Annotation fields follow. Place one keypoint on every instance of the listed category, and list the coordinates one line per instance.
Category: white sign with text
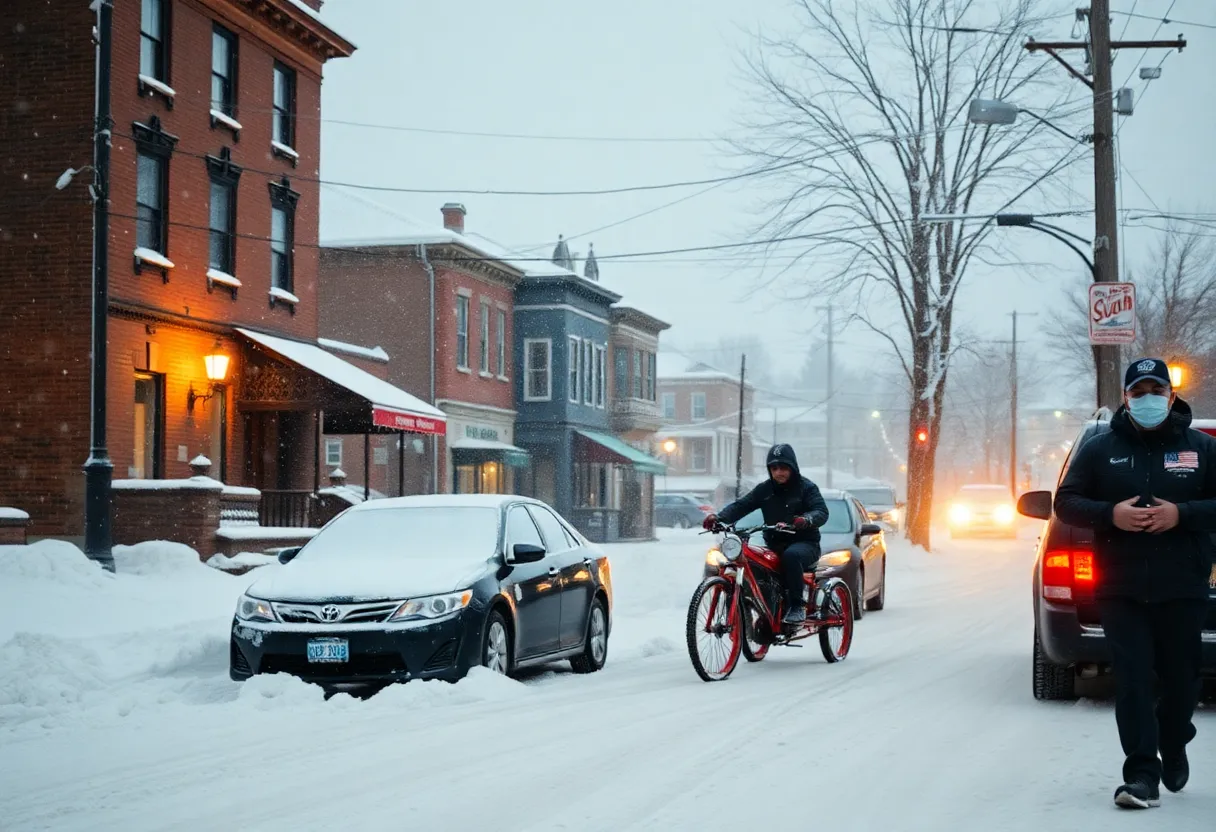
(1112, 313)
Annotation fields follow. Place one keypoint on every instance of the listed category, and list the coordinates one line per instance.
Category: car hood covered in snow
(368, 578)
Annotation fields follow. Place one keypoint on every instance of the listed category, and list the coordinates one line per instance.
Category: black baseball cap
(1152, 368)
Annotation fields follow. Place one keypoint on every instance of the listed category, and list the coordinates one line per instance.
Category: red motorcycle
(740, 610)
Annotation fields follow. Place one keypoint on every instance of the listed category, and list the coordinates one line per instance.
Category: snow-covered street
(929, 723)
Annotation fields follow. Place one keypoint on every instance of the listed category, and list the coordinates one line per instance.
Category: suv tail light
(1067, 574)
(707, 509)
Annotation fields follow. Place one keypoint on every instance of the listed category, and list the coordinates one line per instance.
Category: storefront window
(481, 478)
(593, 485)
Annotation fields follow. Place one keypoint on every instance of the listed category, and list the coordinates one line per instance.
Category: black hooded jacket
(782, 503)
(1174, 463)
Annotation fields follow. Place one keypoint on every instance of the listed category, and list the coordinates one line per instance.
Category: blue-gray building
(562, 355)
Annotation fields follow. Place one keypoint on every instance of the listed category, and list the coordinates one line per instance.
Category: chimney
(453, 217)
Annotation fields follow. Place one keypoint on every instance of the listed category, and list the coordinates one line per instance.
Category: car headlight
(255, 609)
(433, 606)
(715, 558)
(838, 558)
(1004, 515)
(893, 515)
(960, 514)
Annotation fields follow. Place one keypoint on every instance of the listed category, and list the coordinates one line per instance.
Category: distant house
(699, 406)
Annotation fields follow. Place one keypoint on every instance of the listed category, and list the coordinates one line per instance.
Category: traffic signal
(922, 435)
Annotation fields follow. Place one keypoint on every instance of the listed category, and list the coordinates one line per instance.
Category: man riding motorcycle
(786, 499)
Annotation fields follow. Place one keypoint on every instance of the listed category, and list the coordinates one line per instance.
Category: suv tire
(1051, 681)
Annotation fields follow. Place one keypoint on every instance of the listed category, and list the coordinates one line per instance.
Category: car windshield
(840, 521)
(874, 496)
(412, 533)
(984, 494)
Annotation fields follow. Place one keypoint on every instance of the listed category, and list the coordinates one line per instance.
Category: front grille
(338, 613)
(237, 659)
(443, 657)
(360, 664)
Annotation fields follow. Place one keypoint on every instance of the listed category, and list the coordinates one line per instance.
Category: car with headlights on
(881, 504)
(983, 510)
(853, 549)
(427, 587)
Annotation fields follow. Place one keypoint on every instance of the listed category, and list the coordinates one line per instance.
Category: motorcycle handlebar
(719, 528)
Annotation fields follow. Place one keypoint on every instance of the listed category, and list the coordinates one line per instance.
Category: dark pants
(1156, 650)
(796, 559)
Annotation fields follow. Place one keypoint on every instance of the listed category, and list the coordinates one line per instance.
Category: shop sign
(481, 432)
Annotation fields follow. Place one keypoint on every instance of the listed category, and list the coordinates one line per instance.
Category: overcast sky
(670, 70)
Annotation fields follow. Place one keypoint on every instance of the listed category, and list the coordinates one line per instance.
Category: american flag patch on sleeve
(1182, 459)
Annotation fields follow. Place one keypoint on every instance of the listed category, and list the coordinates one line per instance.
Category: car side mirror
(286, 555)
(1036, 504)
(870, 529)
(527, 553)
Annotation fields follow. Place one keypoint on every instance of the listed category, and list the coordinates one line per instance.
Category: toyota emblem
(329, 612)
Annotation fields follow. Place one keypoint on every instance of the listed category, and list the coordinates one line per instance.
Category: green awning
(625, 453)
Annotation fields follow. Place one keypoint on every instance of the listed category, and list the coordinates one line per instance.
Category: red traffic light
(922, 435)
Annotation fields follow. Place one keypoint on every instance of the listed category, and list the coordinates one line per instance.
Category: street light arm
(1044, 121)
(1048, 231)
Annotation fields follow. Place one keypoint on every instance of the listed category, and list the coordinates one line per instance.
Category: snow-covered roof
(381, 395)
(316, 15)
(376, 353)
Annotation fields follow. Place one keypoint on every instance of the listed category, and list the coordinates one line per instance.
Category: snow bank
(51, 562)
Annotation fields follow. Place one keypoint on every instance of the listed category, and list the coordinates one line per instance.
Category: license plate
(332, 650)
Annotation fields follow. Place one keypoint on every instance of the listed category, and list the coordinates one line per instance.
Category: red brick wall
(188, 516)
(46, 62)
(471, 386)
(189, 183)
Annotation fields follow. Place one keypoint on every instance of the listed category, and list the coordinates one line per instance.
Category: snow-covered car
(428, 587)
(852, 549)
(1069, 642)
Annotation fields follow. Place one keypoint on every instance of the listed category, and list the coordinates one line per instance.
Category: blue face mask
(1149, 410)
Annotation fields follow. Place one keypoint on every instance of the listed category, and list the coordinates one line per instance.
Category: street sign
(1112, 313)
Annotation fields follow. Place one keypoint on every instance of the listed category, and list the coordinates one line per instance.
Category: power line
(1162, 20)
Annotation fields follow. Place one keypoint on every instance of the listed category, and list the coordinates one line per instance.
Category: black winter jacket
(782, 503)
(1174, 463)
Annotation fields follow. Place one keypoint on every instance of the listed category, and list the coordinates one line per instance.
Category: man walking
(1147, 487)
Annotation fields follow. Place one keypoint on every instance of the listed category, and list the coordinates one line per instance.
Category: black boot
(796, 615)
(1175, 770)
(1137, 796)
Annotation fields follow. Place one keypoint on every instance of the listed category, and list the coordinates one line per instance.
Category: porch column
(367, 466)
(316, 452)
(401, 464)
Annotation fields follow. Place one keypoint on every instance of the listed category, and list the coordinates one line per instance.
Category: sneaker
(1175, 770)
(795, 616)
(1137, 796)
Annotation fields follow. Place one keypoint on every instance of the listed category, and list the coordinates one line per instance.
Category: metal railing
(293, 508)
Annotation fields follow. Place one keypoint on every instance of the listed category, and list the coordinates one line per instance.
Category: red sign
(1112, 313)
(409, 422)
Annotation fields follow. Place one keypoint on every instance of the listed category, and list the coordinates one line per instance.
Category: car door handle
(554, 571)
(588, 562)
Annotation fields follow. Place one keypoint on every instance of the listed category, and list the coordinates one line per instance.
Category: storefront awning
(625, 454)
(390, 407)
(486, 450)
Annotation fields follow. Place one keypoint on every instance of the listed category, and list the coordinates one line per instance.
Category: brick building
(388, 292)
(699, 407)
(213, 253)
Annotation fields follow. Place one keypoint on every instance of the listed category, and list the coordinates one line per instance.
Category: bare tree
(862, 127)
(1176, 315)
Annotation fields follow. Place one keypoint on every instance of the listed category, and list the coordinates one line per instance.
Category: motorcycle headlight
(254, 609)
(433, 606)
(715, 558)
(838, 558)
(731, 548)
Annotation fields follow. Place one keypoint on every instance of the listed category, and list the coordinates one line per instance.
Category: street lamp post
(98, 469)
(993, 113)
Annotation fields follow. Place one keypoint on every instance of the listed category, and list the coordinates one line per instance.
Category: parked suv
(1068, 638)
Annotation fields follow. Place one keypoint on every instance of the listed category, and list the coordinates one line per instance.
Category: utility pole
(98, 469)
(739, 449)
(1013, 404)
(828, 404)
(1106, 223)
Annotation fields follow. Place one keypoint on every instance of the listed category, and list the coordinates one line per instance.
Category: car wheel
(595, 646)
(682, 522)
(880, 600)
(1051, 681)
(496, 645)
(859, 595)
